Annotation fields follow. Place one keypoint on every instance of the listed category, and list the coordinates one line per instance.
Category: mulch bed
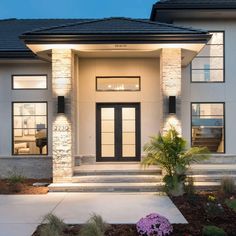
(23, 188)
(194, 211)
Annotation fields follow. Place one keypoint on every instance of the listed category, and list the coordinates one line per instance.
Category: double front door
(118, 132)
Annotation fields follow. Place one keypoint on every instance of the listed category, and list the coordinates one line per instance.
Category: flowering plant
(154, 225)
(213, 208)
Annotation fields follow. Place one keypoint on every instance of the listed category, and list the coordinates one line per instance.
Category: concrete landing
(20, 214)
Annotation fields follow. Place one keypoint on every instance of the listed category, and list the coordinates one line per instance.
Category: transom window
(30, 128)
(29, 81)
(118, 83)
(208, 126)
(208, 66)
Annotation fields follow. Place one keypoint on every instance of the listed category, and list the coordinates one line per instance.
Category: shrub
(95, 226)
(154, 224)
(15, 178)
(53, 226)
(213, 208)
(171, 153)
(227, 185)
(213, 231)
(231, 203)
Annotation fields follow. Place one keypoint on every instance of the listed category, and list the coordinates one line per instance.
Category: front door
(118, 132)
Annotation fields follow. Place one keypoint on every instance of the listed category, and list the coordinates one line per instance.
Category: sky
(75, 8)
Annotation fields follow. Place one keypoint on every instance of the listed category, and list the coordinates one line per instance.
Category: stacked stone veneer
(170, 86)
(62, 85)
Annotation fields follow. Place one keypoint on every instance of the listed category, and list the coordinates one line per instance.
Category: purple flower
(154, 225)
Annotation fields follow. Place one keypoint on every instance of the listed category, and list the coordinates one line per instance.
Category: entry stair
(127, 177)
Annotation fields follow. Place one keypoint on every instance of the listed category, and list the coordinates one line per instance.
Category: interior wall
(148, 97)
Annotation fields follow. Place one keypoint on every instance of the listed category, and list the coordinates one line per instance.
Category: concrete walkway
(20, 214)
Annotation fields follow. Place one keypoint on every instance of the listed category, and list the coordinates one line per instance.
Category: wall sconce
(60, 104)
(172, 104)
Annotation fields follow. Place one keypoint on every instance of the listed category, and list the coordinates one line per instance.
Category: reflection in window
(29, 81)
(208, 66)
(118, 83)
(29, 128)
(208, 126)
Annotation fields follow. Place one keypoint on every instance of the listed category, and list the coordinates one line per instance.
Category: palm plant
(169, 151)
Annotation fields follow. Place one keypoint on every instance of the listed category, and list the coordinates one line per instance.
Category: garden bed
(194, 210)
(26, 187)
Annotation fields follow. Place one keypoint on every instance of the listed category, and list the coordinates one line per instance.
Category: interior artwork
(29, 128)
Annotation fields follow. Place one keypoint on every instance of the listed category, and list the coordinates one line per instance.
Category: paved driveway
(20, 214)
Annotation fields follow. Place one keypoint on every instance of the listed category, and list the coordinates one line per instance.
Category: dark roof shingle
(195, 4)
(115, 25)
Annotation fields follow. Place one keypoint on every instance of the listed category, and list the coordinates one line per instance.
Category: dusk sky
(75, 8)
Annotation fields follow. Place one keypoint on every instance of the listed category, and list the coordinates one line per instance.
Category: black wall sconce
(60, 104)
(172, 104)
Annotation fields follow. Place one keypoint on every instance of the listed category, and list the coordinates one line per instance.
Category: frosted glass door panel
(128, 132)
(108, 132)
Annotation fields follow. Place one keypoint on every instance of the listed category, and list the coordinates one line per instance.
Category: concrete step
(81, 172)
(210, 177)
(117, 178)
(105, 187)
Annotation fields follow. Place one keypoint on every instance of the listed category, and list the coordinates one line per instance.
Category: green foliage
(15, 178)
(169, 151)
(213, 208)
(189, 187)
(213, 231)
(95, 226)
(53, 226)
(227, 185)
(231, 203)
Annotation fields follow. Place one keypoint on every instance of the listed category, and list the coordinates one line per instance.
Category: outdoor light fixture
(172, 104)
(60, 104)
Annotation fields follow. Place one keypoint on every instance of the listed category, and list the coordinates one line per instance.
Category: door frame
(118, 133)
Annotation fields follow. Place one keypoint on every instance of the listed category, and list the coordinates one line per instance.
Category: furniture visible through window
(29, 128)
(118, 83)
(208, 126)
(29, 81)
(208, 66)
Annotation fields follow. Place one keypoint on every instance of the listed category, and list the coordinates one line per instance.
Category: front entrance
(118, 132)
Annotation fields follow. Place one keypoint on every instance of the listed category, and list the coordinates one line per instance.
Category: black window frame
(12, 81)
(12, 127)
(210, 82)
(117, 77)
(224, 133)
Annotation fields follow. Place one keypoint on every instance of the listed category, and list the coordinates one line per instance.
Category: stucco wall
(7, 96)
(215, 92)
(148, 97)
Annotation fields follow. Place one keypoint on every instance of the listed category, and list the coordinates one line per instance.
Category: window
(208, 66)
(208, 126)
(29, 82)
(118, 83)
(29, 128)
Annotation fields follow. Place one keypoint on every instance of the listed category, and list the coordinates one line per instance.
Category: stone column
(62, 136)
(170, 78)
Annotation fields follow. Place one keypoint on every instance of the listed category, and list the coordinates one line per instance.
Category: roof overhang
(169, 14)
(116, 38)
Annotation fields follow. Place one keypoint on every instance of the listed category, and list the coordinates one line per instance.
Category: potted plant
(170, 152)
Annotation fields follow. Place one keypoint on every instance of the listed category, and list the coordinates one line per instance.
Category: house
(95, 90)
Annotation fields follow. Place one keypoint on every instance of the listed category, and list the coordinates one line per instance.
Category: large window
(208, 126)
(118, 83)
(29, 81)
(208, 66)
(29, 128)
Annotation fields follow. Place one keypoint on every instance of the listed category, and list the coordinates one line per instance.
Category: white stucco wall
(148, 97)
(216, 92)
(7, 96)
